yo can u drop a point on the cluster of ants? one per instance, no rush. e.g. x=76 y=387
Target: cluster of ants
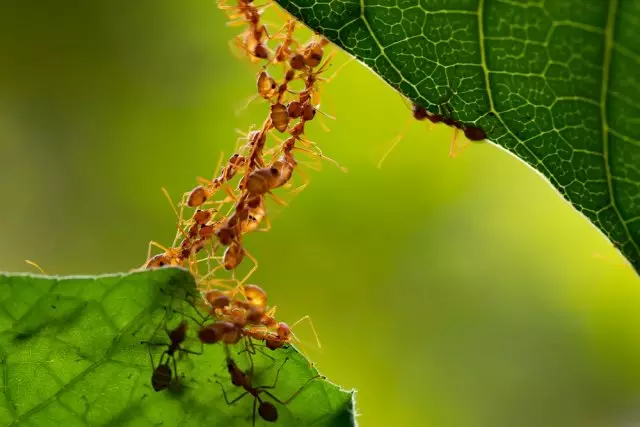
x=211 y=240
x=229 y=321
x=261 y=169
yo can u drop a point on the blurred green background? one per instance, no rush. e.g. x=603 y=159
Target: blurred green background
x=450 y=293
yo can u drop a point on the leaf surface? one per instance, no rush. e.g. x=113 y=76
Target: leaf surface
x=556 y=83
x=71 y=354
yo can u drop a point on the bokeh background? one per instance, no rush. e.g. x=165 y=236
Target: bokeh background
x=450 y=293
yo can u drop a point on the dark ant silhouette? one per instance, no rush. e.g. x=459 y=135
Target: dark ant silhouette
x=265 y=409
x=162 y=374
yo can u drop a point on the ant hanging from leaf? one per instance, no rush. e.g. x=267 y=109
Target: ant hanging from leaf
x=471 y=132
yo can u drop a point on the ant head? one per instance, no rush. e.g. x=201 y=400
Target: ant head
x=208 y=335
x=268 y=412
x=284 y=331
x=179 y=333
x=308 y=112
x=313 y=55
x=294 y=109
x=419 y=112
x=159 y=260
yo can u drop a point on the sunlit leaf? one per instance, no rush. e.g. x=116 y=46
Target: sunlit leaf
x=71 y=355
x=555 y=83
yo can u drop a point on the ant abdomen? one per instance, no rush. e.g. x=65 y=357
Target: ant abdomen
x=279 y=117
x=197 y=197
x=268 y=411
x=261 y=180
x=297 y=62
x=294 y=109
x=474 y=133
x=161 y=378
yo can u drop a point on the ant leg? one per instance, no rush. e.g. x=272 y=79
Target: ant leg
x=322 y=68
x=238 y=43
x=192 y=304
x=272 y=311
x=254 y=349
x=218 y=165
x=395 y=142
x=462 y=147
x=275 y=382
x=335 y=73
x=255 y=401
x=305 y=385
x=175 y=211
x=224 y=393
x=175 y=367
x=277 y=199
x=251 y=366
x=35 y=265
x=454 y=143
x=157 y=245
x=184 y=350
x=183 y=202
x=319 y=153
x=153 y=366
x=253 y=270
x=305 y=182
x=250 y=100
x=229 y=192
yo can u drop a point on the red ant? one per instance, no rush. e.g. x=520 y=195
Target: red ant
x=283 y=50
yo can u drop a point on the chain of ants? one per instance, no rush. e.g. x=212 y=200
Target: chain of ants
x=240 y=314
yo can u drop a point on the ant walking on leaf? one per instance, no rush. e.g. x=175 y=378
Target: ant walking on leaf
x=162 y=375
x=265 y=409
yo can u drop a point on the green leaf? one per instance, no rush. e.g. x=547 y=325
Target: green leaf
x=556 y=83
x=71 y=354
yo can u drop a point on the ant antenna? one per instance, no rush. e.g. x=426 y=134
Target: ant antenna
x=35 y=265
x=307 y=317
